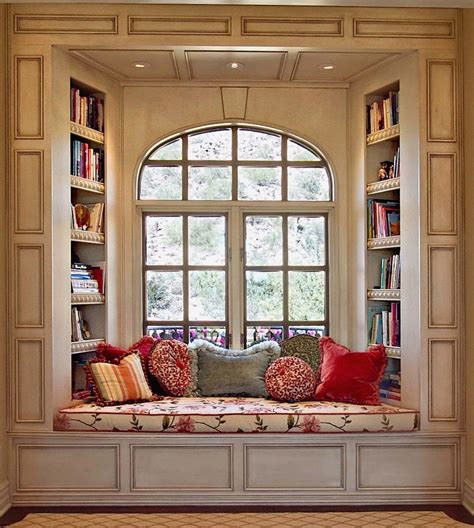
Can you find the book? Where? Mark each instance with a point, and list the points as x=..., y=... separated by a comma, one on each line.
x=87, y=110
x=96, y=211
x=383, y=113
x=87, y=162
x=384, y=324
x=383, y=218
x=389, y=273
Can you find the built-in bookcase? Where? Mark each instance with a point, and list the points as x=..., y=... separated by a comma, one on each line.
x=88, y=231
x=384, y=239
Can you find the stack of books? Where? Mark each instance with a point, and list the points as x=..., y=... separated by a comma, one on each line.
x=383, y=113
x=390, y=273
x=87, y=110
x=383, y=218
x=87, y=162
x=86, y=278
x=384, y=325
x=79, y=327
x=390, y=387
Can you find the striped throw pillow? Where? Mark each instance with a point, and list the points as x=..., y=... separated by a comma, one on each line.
x=119, y=383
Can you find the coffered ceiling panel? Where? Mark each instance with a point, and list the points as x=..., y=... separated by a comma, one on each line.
x=251, y=65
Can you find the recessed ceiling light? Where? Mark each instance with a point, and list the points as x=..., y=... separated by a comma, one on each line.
x=141, y=64
x=327, y=66
x=235, y=65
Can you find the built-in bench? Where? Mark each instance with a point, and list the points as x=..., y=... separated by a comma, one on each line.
x=237, y=415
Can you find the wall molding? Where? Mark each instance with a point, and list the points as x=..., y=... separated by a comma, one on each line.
x=442, y=286
x=441, y=85
x=442, y=193
x=404, y=28
x=292, y=27
x=79, y=24
x=5, y=500
x=468, y=496
x=28, y=191
x=29, y=285
x=179, y=25
x=446, y=387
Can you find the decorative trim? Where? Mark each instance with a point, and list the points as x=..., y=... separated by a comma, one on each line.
x=24, y=181
x=5, y=501
x=292, y=27
x=89, y=237
x=24, y=109
x=393, y=352
x=431, y=384
x=384, y=242
x=88, y=345
x=87, y=185
x=435, y=282
x=383, y=295
x=440, y=196
x=404, y=28
x=468, y=496
x=87, y=298
x=41, y=384
x=22, y=282
x=52, y=24
x=186, y=25
x=87, y=133
x=234, y=102
x=377, y=187
x=386, y=134
x=441, y=101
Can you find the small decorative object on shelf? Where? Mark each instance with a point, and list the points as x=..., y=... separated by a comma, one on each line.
x=88, y=217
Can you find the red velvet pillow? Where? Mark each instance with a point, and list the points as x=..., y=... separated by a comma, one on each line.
x=111, y=352
x=351, y=377
x=290, y=379
x=170, y=363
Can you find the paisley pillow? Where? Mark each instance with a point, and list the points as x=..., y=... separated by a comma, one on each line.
x=305, y=347
x=170, y=363
x=290, y=379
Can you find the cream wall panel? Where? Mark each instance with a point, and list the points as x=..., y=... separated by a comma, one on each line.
x=29, y=285
x=442, y=286
x=67, y=467
x=442, y=194
x=291, y=467
x=407, y=467
x=152, y=25
x=234, y=102
x=442, y=365
x=29, y=109
x=442, y=100
x=157, y=467
x=29, y=381
x=402, y=28
x=302, y=27
x=34, y=24
x=28, y=191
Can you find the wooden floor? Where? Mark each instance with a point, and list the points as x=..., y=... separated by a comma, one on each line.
x=258, y=517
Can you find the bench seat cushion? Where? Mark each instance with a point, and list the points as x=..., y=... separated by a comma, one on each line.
x=237, y=415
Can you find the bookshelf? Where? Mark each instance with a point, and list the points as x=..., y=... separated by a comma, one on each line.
x=384, y=239
x=87, y=233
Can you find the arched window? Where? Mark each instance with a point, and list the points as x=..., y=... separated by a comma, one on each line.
x=235, y=236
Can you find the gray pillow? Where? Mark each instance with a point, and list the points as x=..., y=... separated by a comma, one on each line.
x=225, y=372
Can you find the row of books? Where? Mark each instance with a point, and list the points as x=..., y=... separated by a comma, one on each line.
x=87, y=110
x=87, y=162
x=384, y=325
x=383, y=113
x=88, y=217
x=79, y=327
x=87, y=278
x=390, y=386
x=390, y=272
x=396, y=164
x=383, y=218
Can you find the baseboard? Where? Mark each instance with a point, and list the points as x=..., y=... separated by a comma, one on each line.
x=468, y=496
x=5, y=502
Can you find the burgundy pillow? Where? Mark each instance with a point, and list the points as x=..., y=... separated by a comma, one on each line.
x=351, y=377
x=290, y=379
x=170, y=363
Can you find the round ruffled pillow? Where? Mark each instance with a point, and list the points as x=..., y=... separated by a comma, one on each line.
x=290, y=379
x=171, y=365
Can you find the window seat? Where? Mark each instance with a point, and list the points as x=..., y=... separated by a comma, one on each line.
x=236, y=415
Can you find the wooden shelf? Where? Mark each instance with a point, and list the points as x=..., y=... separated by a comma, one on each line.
x=393, y=352
x=88, y=237
x=383, y=295
x=87, y=298
x=384, y=242
x=87, y=185
x=393, y=184
x=86, y=133
x=387, y=134
x=88, y=345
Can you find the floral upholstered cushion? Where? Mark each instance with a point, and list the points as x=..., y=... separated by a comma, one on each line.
x=237, y=415
x=305, y=347
x=290, y=379
x=171, y=365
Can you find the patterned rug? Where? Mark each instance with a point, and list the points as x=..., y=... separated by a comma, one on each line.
x=385, y=519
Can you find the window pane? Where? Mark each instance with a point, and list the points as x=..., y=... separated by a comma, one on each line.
x=160, y=183
x=164, y=292
x=207, y=298
x=216, y=145
x=259, y=183
x=213, y=334
x=210, y=183
x=297, y=152
x=264, y=295
x=257, y=334
x=166, y=332
x=255, y=145
x=306, y=241
x=263, y=240
x=206, y=240
x=315, y=331
x=310, y=183
x=164, y=240
x=306, y=295
x=170, y=151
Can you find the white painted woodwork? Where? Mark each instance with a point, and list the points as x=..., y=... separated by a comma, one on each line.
x=29, y=110
x=28, y=191
x=443, y=365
